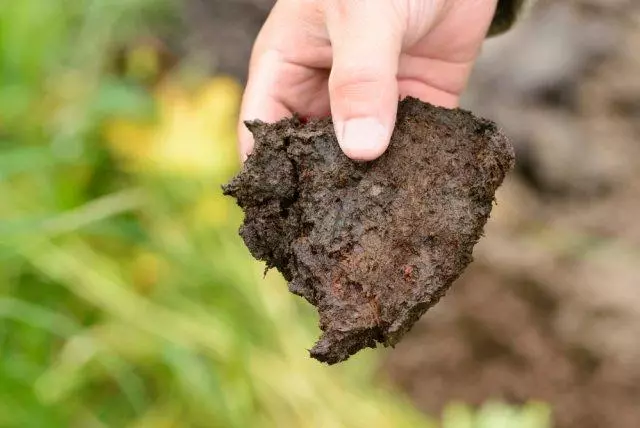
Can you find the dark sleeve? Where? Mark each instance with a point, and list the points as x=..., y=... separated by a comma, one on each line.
x=506, y=15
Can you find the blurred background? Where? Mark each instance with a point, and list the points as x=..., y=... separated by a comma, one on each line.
x=127, y=298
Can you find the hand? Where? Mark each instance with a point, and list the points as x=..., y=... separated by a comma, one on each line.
x=354, y=59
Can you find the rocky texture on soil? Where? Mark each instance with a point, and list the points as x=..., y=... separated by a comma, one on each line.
x=372, y=245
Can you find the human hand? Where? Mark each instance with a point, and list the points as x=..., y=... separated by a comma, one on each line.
x=354, y=59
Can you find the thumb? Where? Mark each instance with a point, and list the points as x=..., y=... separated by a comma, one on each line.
x=366, y=38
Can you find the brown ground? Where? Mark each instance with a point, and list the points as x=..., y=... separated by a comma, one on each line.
x=551, y=307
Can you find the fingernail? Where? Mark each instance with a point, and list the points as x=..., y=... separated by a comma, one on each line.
x=362, y=138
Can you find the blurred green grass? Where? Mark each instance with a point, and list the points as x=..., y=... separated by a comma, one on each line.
x=126, y=297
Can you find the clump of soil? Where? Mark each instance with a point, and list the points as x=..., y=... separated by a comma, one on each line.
x=371, y=245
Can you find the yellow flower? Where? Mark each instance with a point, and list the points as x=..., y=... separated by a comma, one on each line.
x=194, y=134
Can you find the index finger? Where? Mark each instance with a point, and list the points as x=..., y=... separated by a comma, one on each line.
x=258, y=101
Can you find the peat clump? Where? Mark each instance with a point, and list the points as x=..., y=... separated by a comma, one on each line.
x=371, y=245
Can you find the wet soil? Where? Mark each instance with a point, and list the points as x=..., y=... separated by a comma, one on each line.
x=371, y=245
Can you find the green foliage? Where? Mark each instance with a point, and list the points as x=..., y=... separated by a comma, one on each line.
x=497, y=415
x=126, y=297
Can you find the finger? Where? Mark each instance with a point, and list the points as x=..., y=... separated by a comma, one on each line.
x=433, y=80
x=287, y=69
x=258, y=101
x=366, y=37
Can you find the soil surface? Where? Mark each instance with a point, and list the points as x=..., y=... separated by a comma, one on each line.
x=372, y=245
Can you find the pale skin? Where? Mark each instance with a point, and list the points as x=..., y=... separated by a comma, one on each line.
x=354, y=59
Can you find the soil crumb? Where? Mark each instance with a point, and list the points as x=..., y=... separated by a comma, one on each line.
x=372, y=245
